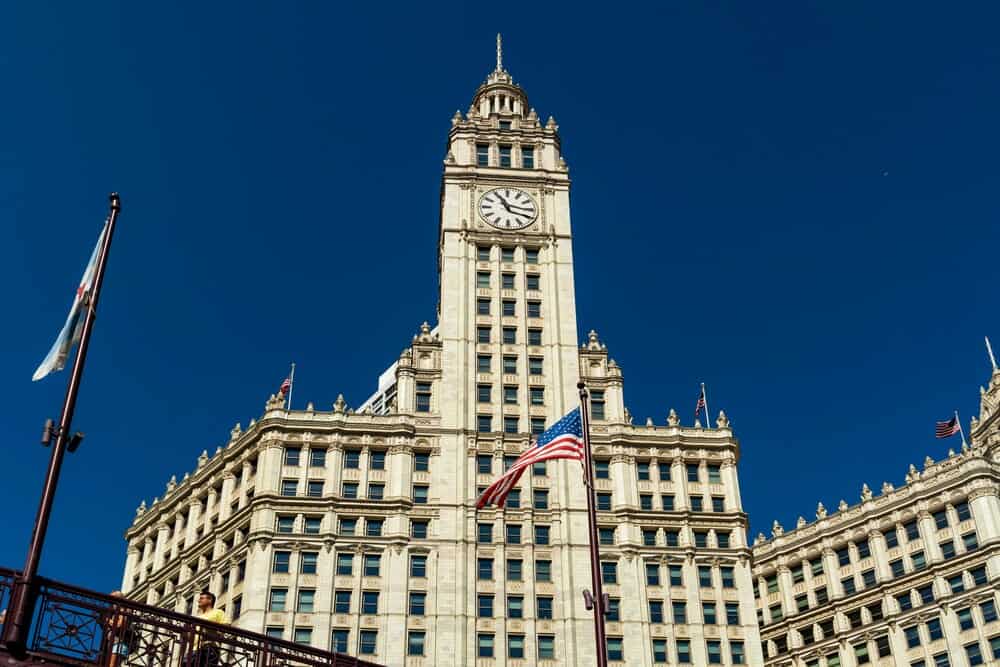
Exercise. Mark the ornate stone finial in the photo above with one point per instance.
(186, 477)
(649, 422)
(887, 487)
(156, 499)
(339, 405)
(842, 505)
(275, 402)
(457, 118)
(723, 420)
(965, 448)
(928, 462)
(550, 124)
(562, 163)
(499, 53)
(866, 493)
(533, 115)
(697, 423)
(253, 422)
(912, 474)
(449, 158)
(820, 511)
(310, 407)
(672, 418)
(235, 432)
(203, 459)
(593, 342)
(951, 453)
(425, 334)
(628, 416)
(760, 539)
(801, 522)
(776, 529)
(172, 484)
(141, 509)
(218, 450)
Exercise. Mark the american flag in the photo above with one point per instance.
(948, 428)
(701, 403)
(286, 385)
(562, 440)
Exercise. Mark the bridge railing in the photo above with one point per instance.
(74, 626)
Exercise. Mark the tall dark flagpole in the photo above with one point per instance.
(15, 631)
(595, 552)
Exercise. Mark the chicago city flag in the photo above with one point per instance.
(55, 360)
(562, 440)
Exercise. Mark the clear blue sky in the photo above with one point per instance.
(796, 204)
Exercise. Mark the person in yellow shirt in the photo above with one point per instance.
(204, 653)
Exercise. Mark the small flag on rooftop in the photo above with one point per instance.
(702, 405)
(948, 428)
(286, 385)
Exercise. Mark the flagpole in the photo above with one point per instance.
(15, 631)
(595, 554)
(989, 351)
(707, 413)
(291, 385)
(961, 432)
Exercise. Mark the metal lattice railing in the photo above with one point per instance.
(74, 626)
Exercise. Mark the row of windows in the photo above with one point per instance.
(508, 281)
(508, 308)
(352, 457)
(484, 394)
(692, 471)
(508, 337)
(504, 155)
(507, 254)
(667, 502)
(512, 532)
(484, 363)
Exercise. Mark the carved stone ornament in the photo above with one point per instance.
(842, 506)
(820, 511)
(697, 424)
(928, 462)
(628, 416)
(340, 405)
(723, 420)
(887, 487)
(141, 509)
(275, 402)
(760, 539)
(672, 418)
(776, 529)
(649, 422)
(912, 474)
(801, 522)
(593, 343)
(172, 484)
(866, 493)
(235, 432)
(203, 459)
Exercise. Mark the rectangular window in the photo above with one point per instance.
(352, 459)
(484, 569)
(708, 613)
(515, 606)
(534, 309)
(275, 633)
(646, 501)
(306, 599)
(535, 365)
(367, 642)
(505, 156)
(864, 550)
(965, 620)
(423, 397)
(419, 529)
(843, 556)
(705, 576)
(539, 469)
(970, 541)
(308, 563)
(339, 643)
(292, 455)
(540, 500)
(483, 155)
(606, 536)
(962, 509)
(649, 537)
(513, 533)
(376, 491)
(926, 594)
(801, 602)
(373, 527)
(683, 651)
(507, 255)
(289, 487)
(507, 280)
(676, 575)
(604, 501)
(373, 565)
(281, 561)
(692, 472)
(484, 464)
(956, 583)
(484, 363)
(613, 612)
(882, 647)
(667, 501)
(868, 578)
(533, 282)
(849, 587)
(508, 307)
(714, 653)
(544, 610)
(537, 395)
(515, 567)
(941, 660)
(285, 524)
(672, 537)
(979, 577)
(912, 635)
(510, 425)
(543, 570)
(541, 535)
(483, 334)
(732, 613)
(659, 650)
(602, 469)
(546, 647)
(940, 519)
(342, 602)
(911, 530)
(484, 423)
(718, 504)
(898, 570)
(737, 651)
(700, 539)
(919, 562)
(861, 656)
(317, 458)
(485, 533)
(509, 335)
(531, 255)
(697, 504)
(483, 253)
(510, 395)
(418, 566)
(278, 599)
(510, 365)
(345, 564)
(948, 549)
(934, 631)
(615, 650)
(485, 606)
(655, 611)
(597, 404)
(483, 279)
(535, 338)
(609, 572)
(905, 601)
(816, 566)
(679, 611)
(420, 494)
(891, 538)
(989, 610)
(415, 642)
(421, 462)
(973, 653)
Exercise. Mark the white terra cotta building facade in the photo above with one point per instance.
(356, 530)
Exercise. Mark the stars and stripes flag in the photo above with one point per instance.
(286, 385)
(55, 360)
(948, 428)
(701, 405)
(562, 440)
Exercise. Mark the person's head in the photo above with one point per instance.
(206, 600)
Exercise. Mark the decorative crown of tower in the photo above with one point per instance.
(499, 94)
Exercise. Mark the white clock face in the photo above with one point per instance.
(508, 208)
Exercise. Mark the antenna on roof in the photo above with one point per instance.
(499, 54)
